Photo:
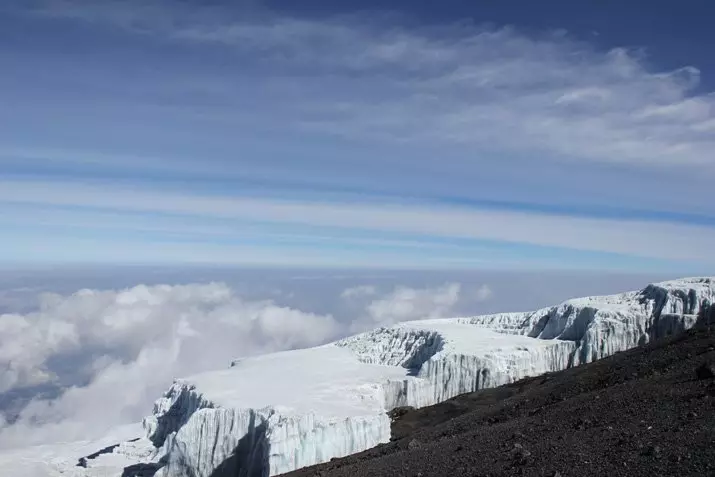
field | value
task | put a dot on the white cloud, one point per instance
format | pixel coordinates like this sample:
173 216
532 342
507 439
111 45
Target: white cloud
497 90
113 352
407 303
483 293
119 349
128 345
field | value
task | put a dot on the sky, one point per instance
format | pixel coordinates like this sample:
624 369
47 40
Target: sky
404 134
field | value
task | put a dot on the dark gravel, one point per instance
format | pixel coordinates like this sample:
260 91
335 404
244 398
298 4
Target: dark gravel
645 412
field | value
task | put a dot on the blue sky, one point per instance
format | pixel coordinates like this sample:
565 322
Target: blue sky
371 134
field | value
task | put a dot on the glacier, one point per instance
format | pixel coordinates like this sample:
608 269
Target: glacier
271 414
605 325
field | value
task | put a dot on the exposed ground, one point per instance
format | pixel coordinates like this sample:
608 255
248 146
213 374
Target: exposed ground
643 412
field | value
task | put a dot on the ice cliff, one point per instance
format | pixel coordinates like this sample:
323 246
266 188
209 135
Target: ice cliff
271 414
601 326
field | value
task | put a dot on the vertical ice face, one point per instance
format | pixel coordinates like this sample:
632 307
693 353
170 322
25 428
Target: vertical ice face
262 442
172 411
409 348
448 358
232 440
332 400
605 325
271 414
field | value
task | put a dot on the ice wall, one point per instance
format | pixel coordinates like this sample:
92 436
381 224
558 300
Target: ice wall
172 411
397 346
271 414
415 364
446 365
605 325
449 375
222 442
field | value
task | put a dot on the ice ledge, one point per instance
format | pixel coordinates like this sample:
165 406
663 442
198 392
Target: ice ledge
311 405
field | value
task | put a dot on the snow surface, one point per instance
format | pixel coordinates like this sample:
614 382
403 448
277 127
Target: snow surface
271 414
61 459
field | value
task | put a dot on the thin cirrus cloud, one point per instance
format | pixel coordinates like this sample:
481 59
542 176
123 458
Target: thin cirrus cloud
306 136
461 84
649 239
